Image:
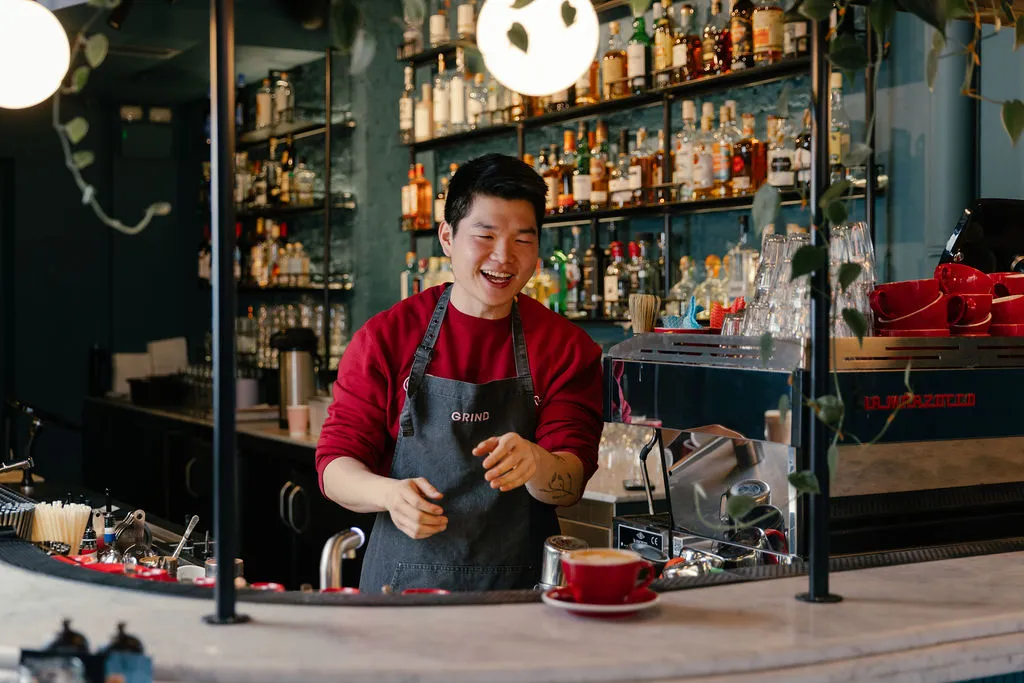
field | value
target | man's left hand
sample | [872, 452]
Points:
[510, 460]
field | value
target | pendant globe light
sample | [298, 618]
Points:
[34, 53]
[539, 48]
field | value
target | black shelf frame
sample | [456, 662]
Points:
[430, 55]
[297, 129]
[346, 204]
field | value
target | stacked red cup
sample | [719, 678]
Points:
[915, 308]
[1008, 305]
[974, 288]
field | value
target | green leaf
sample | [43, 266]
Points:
[856, 322]
[833, 462]
[82, 159]
[782, 106]
[96, 49]
[836, 212]
[804, 482]
[766, 207]
[76, 129]
[1018, 36]
[1013, 119]
[829, 409]
[79, 78]
[568, 14]
[160, 208]
[932, 63]
[345, 21]
[834, 191]
[882, 14]
[767, 347]
[816, 10]
[847, 53]
[520, 4]
[414, 11]
[929, 11]
[783, 408]
[639, 7]
[848, 274]
[857, 155]
[738, 506]
[808, 259]
[517, 36]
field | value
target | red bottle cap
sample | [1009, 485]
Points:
[615, 248]
[634, 250]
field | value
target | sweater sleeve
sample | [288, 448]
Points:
[356, 424]
[570, 415]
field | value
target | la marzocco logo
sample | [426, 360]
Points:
[471, 417]
[920, 401]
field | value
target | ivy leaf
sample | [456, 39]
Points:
[96, 48]
[829, 408]
[767, 347]
[858, 154]
[1013, 119]
[783, 408]
[345, 21]
[932, 64]
[836, 212]
[517, 36]
[848, 274]
[834, 191]
[738, 506]
[928, 11]
[857, 324]
[568, 14]
[363, 50]
[782, 106]
[82, 159]
[76, 129]
[520, 4]
[1018, 36]
[847, 53]
[414, 11]
[816, 10]
[639, 7]
[808, 259]
[882, 14]
[160, 208]
[804, 482]
[766, 207]
[79, 78]
[833, 462]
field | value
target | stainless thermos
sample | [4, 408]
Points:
[296, 348]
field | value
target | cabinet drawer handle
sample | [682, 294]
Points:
[291, 509]
[280, 500]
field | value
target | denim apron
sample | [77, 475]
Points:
[494, 540]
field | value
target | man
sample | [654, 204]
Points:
[465, 414]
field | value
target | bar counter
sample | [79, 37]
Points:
[948, 620]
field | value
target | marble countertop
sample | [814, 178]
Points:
[940, 621]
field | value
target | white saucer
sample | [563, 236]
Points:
[638, 601]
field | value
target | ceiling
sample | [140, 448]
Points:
[161, 53]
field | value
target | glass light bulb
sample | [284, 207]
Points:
[556, 55]
[34, 53]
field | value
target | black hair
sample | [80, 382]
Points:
[493, 175]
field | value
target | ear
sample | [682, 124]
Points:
[445, 234]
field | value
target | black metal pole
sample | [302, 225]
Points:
[222, 230]
[328, 203]
[869, 116]
[817, 447]
[520, 140]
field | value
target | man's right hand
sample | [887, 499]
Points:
[410, 510]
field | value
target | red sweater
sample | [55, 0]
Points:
[362, 422]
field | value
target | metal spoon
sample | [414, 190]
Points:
[184, 537]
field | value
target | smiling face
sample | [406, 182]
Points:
[493, 253]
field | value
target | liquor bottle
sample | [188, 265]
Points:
[575, 295]
[586, 86]
[682, 174]
[687, 53]
[745, 160]
[659, 159]
[264, 105]
[566, 172]
[838, 129]
[780, 155]
[616, 285]
[424, 199]
[439, 200]
[551, 179]
[638, 56]
[442, 101]
[640, 170]
[593, 281]
[703, 162]
[620, 192]
[407, 189]
[284, 99]
[644, 274]
[241, 106]
[439, 34]
[794, 34]
[768, 32]
[465, 20]
[599, 168]
[424, 115]
[476, 104]
[407, 108]
[711, 290]
[518, 107]
[408, 276]
[287, 173]
[679, 296]
[613, 65]
[271, 170]
[561, 100]
[721, 155]
[741, 34]
[581, 187]
[457, 86]
[664, 41]
[802, 155]
[716, 46]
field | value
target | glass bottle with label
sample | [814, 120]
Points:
[687, 53]
[679, 296]
[586, 86]
[599, 168]
[616, 284]
[613, 65]
[476, 104]
[660, 180]
[638, 56]
[264, 105]
[424, 201]
[549, 164]
[664, 43]
[442, 101]
[802, 156]
[407, 108]
[439, 200]
[747, 160]
[561, 100]
[838, 129]
[593, 281]
[566, 171]
[620, 194]
[795, 34]
[640, 169]
[284, 99]
[780, 155]
[742, 35]
[768, 32]
[715, 42]
[703, 164]
[721, 152]
[575, 295]
[457, 91]
[682, 175]
[465, 20]
[581, 187]
[439, 34]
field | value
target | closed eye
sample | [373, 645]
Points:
[484, 237]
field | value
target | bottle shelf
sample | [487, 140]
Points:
[466, 136]
[429, 56]
[344, 203]
[293, 128]
[310, 289]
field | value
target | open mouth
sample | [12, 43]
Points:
[497, 278]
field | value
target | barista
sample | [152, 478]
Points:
[465, 414]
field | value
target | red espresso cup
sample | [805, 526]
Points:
[956, 278]
[605, 576]
[1006, 284]
[940, 313]
[897, 299]
[977, 307]
[1008, 310]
